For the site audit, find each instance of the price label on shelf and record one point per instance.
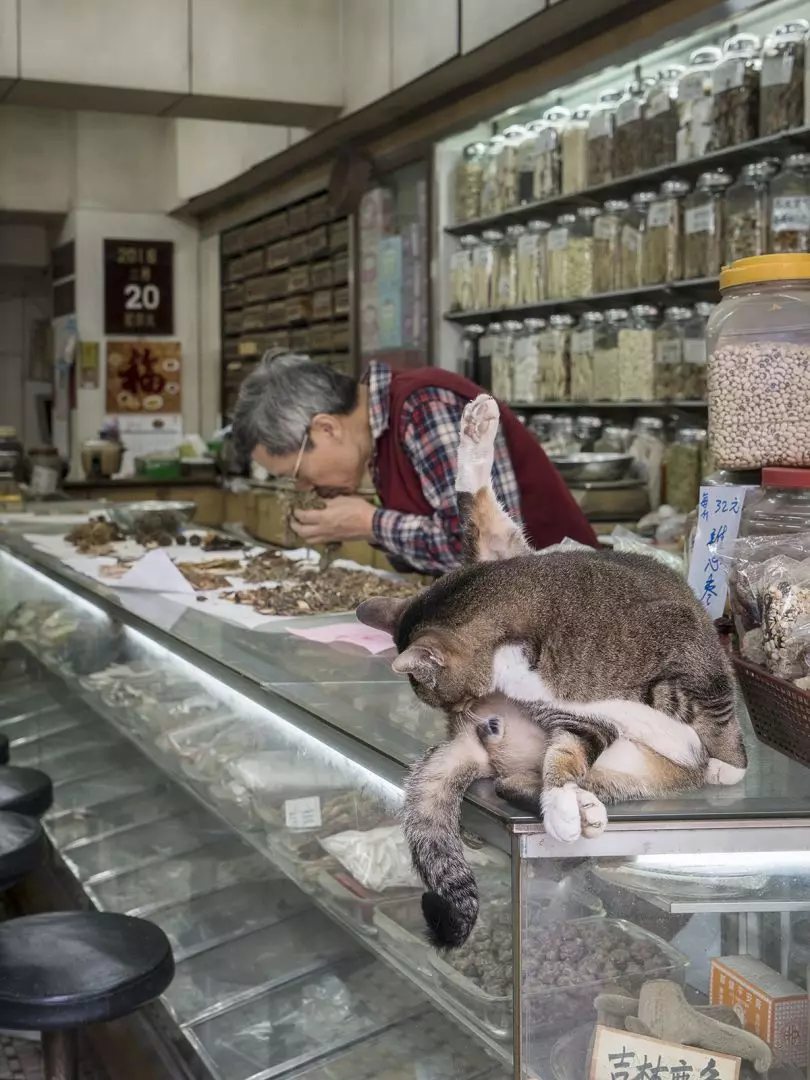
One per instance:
(719, 510)
(303, 813)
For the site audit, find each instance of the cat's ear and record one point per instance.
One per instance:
(381, 612)
(419, 661)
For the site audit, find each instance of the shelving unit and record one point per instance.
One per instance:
(608, 406)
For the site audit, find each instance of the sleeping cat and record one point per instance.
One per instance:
(624, 690)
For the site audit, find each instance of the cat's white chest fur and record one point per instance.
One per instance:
(676, 741)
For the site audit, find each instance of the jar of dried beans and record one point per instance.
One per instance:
(670, 378)
(583, 355)
(662, 240)
(696, 104)
(735, 89)
(601, 131)
(555, 358)
(526, 379)
(607, 227)
(637, 355)
(548, 160)
(703, 219)
(790, 206)
(628, 140)
(747, 211)
(661, 119)
(782, 80)
(491, 200)
(469, 180)
(575, 151)
(606, 364)
(531, 262)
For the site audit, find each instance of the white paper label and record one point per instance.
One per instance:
(600, 124)
(483, 257)
(694, 351)
(691, 87)
(618, 1055)
(790, 213)
(547, 140)
(582, 341)
(658, 103)
(719, 511)
(776, 70)
(604, 228)
(729, 75)
(303, 813)
(557, 239)
(527, 246)
(669, 352)
(628, 111)
(699, 219)
(631, 238)
(658, 215)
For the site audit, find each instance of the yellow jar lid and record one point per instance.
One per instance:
(765, 268)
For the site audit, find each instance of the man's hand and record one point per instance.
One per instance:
(348, 517)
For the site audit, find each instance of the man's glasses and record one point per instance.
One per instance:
(300, 458)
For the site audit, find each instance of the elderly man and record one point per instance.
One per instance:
(305, 421)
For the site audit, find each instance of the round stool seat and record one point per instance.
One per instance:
(4, 751)
(25, 791)
(22, 847)
(67, 968)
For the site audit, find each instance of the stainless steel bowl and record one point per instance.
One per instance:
(176, 513)
(582, 468)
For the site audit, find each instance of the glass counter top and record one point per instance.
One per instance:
(354, 693)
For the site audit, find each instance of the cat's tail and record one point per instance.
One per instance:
(433, 794)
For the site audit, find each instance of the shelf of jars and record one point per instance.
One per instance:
(670, 407)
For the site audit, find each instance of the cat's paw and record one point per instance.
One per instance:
(561, 817)
(722, 774)
(592, 814)
(479, 422)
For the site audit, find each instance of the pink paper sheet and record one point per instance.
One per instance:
(350, 633)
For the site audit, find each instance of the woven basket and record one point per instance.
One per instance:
(779, 711)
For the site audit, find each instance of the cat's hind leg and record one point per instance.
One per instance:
(569, 810)
(488, 532)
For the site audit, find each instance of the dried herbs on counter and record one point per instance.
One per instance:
(330, 591)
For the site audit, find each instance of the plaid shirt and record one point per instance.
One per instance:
(428, 433)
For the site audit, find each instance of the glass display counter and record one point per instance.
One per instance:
(241, 789)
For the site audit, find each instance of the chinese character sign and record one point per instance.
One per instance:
(139, 287)
(144, 377)
(719, 510)
(620, 1055)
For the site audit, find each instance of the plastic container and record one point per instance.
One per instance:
(548, 153)
(526, 368)
(684, 461)
(483, 270)
(784, 506)
(735, 90)
(583, 355)
(790, 206)
(601, 130)
(695, 95)
(631, 246)
(508, 160)
(505, 269)
(661, 119)
(575, 151)
(662, 240)
(606, 361)
(629, 153)
(491, 200)
(782, 79)
(532, 257)
(527, 155)
(607, 229)
(637, 355)
(747, 211)
(703, 226)
(758, 340)
(669, 354)
(694, 352)
(461, 275)
(500, 342)
(555, 359)
(570, 257)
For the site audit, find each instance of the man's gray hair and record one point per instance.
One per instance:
(278, 400)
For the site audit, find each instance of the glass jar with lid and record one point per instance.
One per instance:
(694, 352)
(637, 354)
(491, 202)
(790, 206)
(486, 350)
(503, 358)
(783, 507)
(506, 267)
(531, 262)
(570, 257)
(781, 81)
(469, 179)
(747, 211)
(583, 354)
(526, 380)
(662, 239)
(631, 238)
(555, 358)
(703, 221)
(683, 465)
(575, 151)
(615, 439)
(514, 137)
(661, 119)
(527, 155)
(607, 227)
(735, 91)
(540, 427)
(587, 430)
(470, 352)
(696, 104)
(461, 275)
(483, 269)
(601, 130)
(628, 138)
(758, 377)
(670, 376)
(606, 363)
(548, 159)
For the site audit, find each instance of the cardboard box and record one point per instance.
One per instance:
(769, 1005)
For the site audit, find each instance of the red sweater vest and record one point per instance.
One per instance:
(549, 511)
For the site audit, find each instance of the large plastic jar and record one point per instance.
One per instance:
(583, 354)
(782, 507)
(735, 87)
(781, 92)
(758, 376)
(570, 256)
(790, 206)
(662, 241)
(548, 153)
(607, 229)
(575, 151)
(629, 153)
(607, 358)
(670, 367)
(469, 181)
(704, 226)
(747, 211)
(696, 104)
(661, 119)
(531, 262)
(491, 196)
(601, 132)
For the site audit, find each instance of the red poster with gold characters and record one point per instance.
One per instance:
(144, 377)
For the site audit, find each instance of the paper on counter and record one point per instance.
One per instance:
(349, 633)
(155, 572)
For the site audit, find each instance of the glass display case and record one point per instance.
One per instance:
(241, 788)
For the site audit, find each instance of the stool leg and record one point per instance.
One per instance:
(60, 1055)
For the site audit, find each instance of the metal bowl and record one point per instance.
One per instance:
(583, 468)
(176, 514)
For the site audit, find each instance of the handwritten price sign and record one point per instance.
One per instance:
(719, 511)
(619, 1055)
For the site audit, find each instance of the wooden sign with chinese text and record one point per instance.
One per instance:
(139, 287)
(144, 377)
(620, 1055)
